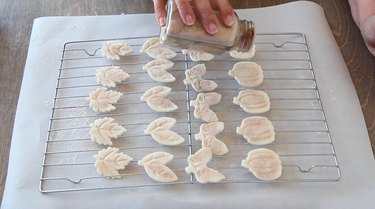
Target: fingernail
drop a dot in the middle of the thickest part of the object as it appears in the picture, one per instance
(213, 28)
(189, 20)
(229, 20)
(161, 21)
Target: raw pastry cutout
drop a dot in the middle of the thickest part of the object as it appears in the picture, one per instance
(114, 49)
(161, 52)
(207, 134)
(150, 43)
(265, 164)
(109, 76)
(157, 70)
(153, 48)
(155, 98)
(194, 78)
(247, 74)
(154, 165)
(105, 129)
(109, 161)
(198, 165)
(243, 55)
(257, 130)
(202, 106)
(159, 130)
(253, 101)
(198, 56)
(102, 100)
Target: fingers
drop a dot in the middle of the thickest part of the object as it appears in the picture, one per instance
(160, 11)
(226, 11)
(186, 11)
(206, 15)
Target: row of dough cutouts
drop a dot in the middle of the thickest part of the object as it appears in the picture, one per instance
(247, 74)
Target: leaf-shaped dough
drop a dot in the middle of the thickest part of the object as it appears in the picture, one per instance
(160, 52)
(114, 49)
(217, 147)
(161, 104)
(167, 137)
(161, 76)
(247, 74)
(110, 75)
(195, 72)
(243, 55)
(102, 130)
(163, 123)
(160, 173)
(200, 158)
(253, 101)
(160, 91)
(208, 175)
(101, 100)
(198, 56)
(150, 43)
(109, 161)
(156, 158)
(161, 64)
(264, 163)
(201, 85)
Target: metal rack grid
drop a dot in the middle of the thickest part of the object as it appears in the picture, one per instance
(303, 140)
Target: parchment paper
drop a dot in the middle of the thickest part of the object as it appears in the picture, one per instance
(341, 104)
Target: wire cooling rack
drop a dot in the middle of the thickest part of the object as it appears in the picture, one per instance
(303, 139)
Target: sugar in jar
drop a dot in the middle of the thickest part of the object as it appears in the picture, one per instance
(239, 37)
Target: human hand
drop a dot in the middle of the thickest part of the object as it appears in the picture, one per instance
(191, 10)
(363, 12)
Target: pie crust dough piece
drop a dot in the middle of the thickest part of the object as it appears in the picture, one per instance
(202, 85)
(161, 91)
(198, 165)
(243, 55)
(200, 158)
(154, 165)
(253, 101)
(104, 129)
(110, 75)
(161, 76)
(109, 161)
(257, 130)
(160, 64)
(150, 43)
(264, 163)
(101, 100)
(114, 49)
(195, 72)
(161, 52)
(198, 56)
(160, 124)
(202, 106)
(156, 157)
(207, 134)
(194, 77)
(155, 98)
(208, 175)
(159, 130)
(247, 74)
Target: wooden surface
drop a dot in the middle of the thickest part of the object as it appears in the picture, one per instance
(16, 18)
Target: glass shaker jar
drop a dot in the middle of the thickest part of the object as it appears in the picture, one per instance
(239, 37)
